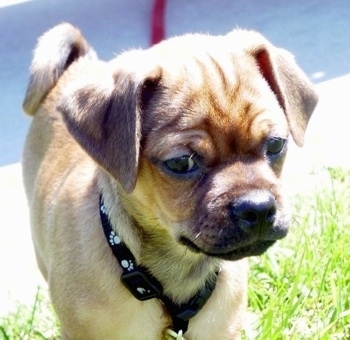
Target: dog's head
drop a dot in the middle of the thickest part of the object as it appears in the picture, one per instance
(195, 131)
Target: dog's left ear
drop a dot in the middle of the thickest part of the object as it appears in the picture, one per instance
(102, 106)
(293, 90)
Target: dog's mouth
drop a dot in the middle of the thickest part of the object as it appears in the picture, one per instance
(253, 249)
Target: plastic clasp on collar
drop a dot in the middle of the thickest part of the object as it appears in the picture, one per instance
(190, 309)
(140, 286)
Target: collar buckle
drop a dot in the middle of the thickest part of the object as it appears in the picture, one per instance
(140, 286)
(196, 303)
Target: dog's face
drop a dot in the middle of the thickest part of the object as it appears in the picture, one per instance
(195, 132)
(213, 145)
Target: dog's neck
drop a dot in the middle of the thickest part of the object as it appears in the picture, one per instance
(181, 272)
(144, 286)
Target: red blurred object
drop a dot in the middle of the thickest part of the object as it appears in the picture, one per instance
(158, 18)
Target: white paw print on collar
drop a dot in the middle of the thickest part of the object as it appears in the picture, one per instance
(114, 239)
(103, 209)
(127, 264)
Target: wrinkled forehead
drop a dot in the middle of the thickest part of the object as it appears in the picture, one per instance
(216, 90)
(197, 57)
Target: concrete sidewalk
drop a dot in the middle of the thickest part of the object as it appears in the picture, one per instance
(317, 32)
(19, 276)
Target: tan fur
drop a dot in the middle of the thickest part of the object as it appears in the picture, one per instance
(106, 127)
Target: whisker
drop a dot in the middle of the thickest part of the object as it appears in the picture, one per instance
(197, 235)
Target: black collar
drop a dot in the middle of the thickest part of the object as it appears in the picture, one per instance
(144, 286)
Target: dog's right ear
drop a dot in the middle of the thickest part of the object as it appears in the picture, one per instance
(102, 105)
(56, 50)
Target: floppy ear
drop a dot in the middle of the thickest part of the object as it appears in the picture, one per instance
(102, 108)
(293, 90)
(56, 50)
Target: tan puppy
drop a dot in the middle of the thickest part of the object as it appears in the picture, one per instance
(185, 142)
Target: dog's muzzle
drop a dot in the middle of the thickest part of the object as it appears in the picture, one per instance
(248, 226)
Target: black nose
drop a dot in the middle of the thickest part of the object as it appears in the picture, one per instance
(255, 211)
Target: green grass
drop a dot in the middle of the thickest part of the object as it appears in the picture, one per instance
(300, 289)
(35, 322)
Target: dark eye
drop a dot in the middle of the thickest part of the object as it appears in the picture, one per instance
(275, 146)
(181, 165)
